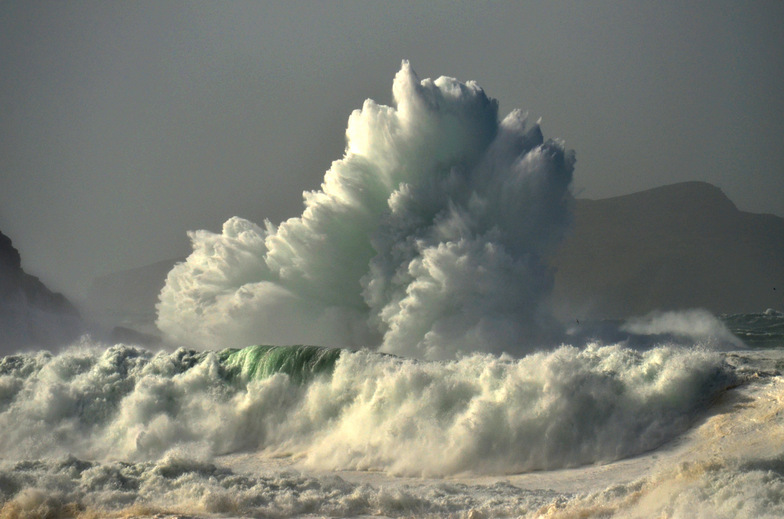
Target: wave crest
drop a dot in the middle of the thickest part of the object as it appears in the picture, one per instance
(338, 409)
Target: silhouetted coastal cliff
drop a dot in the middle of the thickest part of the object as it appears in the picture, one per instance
(31, 315)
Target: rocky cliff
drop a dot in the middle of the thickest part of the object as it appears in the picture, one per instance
(31, 315)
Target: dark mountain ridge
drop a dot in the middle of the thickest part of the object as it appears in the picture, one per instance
(678, 246)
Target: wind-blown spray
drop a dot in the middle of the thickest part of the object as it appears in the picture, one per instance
(426, 239)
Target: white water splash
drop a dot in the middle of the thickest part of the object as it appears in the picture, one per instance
(426, 239)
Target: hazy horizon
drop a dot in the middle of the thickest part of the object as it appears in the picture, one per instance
(126, 125)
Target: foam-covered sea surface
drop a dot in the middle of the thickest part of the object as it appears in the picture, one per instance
(432, 380)
(671, 430)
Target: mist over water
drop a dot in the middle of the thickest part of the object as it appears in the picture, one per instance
(426, 239)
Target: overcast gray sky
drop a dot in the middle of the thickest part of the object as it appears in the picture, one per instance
(124, 124)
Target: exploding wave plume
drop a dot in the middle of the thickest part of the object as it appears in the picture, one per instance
(426, 239)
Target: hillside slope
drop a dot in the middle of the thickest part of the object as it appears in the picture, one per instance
(678, 246)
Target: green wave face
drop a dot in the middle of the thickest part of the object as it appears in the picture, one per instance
(300, 363)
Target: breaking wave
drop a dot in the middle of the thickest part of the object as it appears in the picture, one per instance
(300, 363)
(426, 239)
(341, 409)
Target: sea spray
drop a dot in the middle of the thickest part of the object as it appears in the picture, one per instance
(425, 240)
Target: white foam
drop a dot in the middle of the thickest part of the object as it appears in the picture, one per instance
(425, 239)
(479, 414)
(729, 466)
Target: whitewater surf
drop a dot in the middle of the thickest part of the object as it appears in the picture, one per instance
(431, 378)
(307, 431)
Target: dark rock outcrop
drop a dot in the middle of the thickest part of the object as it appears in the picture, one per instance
(31, 315)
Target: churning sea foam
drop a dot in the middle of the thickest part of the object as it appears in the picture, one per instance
(426, 239)
(338, 409)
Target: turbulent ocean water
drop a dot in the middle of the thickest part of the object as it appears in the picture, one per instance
(672, 430)
(433, 381)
